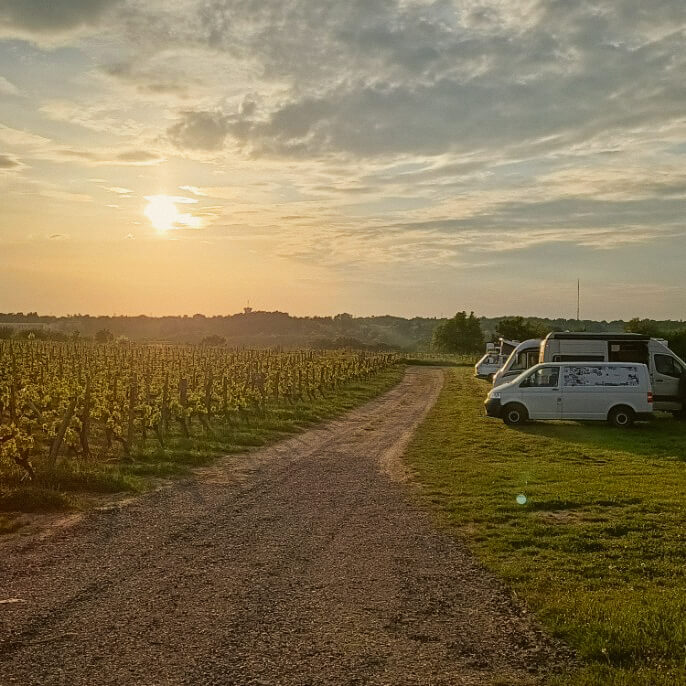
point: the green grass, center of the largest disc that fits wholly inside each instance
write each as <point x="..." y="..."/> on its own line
<point x="441" y="360"/>
<point x="74" y="482"/>
<point x="598" y="547"/>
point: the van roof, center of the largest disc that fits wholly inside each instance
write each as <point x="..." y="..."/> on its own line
<point x="571" y="335"/>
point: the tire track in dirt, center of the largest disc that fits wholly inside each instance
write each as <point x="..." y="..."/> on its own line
<point x="301" y="563"/>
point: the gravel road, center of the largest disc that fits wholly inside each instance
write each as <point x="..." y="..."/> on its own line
<point x="304" y="563"/>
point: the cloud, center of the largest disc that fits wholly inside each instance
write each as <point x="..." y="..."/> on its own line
<point x="7" y="87"/>
<point x="9" y="163"/>
<point x="54" y="16"/>
<point x="193" y="189"/>
<point x="139" y="157"/>
<point x="200" y="131"/>
<point x="391" y="78"/>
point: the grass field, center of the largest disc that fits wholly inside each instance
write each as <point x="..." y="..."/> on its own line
<point x="74" y="483"/>
<point x="586" y="523"/>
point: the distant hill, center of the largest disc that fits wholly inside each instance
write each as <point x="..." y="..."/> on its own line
<point x="262" y="329"/>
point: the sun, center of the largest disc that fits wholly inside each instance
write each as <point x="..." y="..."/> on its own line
<point x="162" y="212"/>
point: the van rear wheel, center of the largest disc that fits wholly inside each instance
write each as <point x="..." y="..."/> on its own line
<point x="621" y="416"/>
<point x="514" y="414"/>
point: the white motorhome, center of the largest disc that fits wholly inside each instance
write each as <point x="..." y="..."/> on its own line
<point x="524" y="356"/>
<point x="667" y="371"/>
<point x="618" y="392"/>
<point x="495" y="357"/>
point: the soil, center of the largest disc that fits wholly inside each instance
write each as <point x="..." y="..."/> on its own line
<point x="305" y="563"/>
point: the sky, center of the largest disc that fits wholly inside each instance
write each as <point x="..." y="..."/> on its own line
<point x="407" y="157"/>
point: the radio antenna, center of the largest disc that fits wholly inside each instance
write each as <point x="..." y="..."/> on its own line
<point x="578" y="293"/>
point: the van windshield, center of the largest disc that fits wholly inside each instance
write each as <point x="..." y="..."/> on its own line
<point x="525" y="359"/>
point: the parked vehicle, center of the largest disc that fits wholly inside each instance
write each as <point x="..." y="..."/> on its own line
<point x="667" y="371"/>
<point x="493" y="360"/>
<point x="617" y="392"/>
<point x="524" y="356"/>
<point x="488" y="365"/>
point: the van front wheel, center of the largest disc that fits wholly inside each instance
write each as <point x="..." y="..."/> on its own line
<point x="514" y="414"/>
<point x="621" y="416"/>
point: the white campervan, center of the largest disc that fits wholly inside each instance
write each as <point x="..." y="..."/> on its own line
<point x="618" y="392"/>
<point x="665" y="368"/>
<point x="488" y="365"/>
<point x="524" y="356"/>
<point x="494" y="359"/>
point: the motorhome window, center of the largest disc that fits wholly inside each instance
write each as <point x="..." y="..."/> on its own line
<point x="578" y="358"/>
<point x="628" y="351"/>
<point x="520" y="361"/>
<point x="546" y="377"/>
<point x="667" y="365"/>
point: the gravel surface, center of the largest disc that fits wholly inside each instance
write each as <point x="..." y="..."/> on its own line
<point x="305" y="563"/>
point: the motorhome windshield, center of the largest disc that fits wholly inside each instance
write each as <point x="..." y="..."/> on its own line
<point x="525" y="359"/>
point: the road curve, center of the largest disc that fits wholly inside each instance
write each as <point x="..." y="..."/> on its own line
<point x="305" y="563"/>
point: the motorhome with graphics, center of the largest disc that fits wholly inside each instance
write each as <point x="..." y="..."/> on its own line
<point x="667" y="371"/>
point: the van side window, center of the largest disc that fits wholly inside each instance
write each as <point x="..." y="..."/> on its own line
<point x="667" y="365"/>
<point x="546" y="377"/>
<point x="578" y="358"/>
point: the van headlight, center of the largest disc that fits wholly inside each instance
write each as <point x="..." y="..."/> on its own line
<point x="494" y="395"/>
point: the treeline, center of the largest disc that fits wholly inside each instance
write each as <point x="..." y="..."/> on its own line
<point x="245" y="329"/>
<point x="466" y="334"/>
<point x="463" y="333"/>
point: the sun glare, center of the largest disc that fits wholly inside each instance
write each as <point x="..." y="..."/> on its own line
<point x="163" y="214"/>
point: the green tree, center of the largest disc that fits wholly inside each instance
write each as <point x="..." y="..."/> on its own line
<point x="520" y="329"/>
<point x="213" y="340"/>
<point x="647" y="327"/>
<point x="462" y="334"/>
<point x="104" y="336"/>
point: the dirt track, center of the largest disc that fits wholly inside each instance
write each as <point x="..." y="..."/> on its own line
<point x="301" y="564"/>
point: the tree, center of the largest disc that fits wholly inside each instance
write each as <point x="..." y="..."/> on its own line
<point x="647" y="327"/>
<point x="213" y="340"/>
<point x="104" y="336"/>
<point x="520" y="329"/>
<point x="462" y="334"/>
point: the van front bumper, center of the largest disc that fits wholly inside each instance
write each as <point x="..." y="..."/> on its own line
<point x="493" y="407"/>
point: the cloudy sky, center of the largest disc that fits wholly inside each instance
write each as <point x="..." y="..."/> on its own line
<point x="411" y="157"/>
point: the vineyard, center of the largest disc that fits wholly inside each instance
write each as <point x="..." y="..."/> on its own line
<point x="85" y="403"/>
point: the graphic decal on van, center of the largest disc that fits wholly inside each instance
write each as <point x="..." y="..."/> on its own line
<point x="601" y="376"/>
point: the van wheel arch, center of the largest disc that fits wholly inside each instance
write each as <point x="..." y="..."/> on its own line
<point x="514" y="414"/>
<point x="621" y="416"/>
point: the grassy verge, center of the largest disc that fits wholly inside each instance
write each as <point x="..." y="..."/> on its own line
<point x="74" y="483"/>
<point x="585" y="522"/>
<point x="441" y="360"/>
